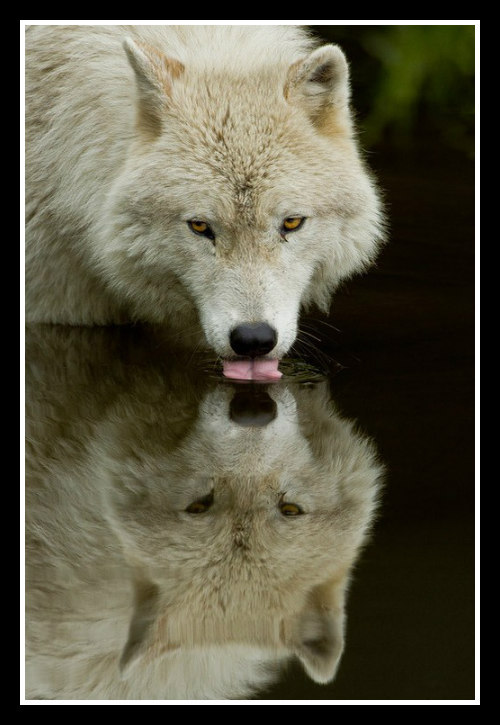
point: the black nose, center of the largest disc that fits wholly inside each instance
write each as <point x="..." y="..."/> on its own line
<point x="253" y="339"/>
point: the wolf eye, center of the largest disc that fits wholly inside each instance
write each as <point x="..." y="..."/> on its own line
<point x="201" y="504"/>
<point x="290" y="509"/>
<point x="292" y="223"/>
<point x="202" y="228"/>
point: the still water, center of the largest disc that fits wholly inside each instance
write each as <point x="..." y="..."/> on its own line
<point x="186" y="536"/>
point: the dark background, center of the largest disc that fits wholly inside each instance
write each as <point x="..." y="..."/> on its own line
<point x="405" y="340"/>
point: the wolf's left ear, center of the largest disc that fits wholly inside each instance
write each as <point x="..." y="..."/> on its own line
<point x="155" y="74"/>
<point x="316" y="635"/>
<point x="320" y="84"/>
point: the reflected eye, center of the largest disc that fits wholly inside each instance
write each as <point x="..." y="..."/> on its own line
<point x="202" y="228"/>
<point x="290" y="509"/>
<point x="292" y="223"/>
<point x="201" y="504"/>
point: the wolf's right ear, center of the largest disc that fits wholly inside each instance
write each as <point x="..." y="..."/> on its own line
<point x="320" y="85"/>
<point x="155" y="74"/>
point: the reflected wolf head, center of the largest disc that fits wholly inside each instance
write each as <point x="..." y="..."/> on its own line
<point x="242" y="534"/>
<point x="236" y="513"/>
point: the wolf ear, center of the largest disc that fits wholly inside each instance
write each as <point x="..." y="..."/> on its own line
<point x="320" y="84"/>
<point x="155" y="74"/>
<point x="143" y="619"/>
<point x="317" y="633"/>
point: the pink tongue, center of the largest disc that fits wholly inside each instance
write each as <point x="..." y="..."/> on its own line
<point x="252" y="369"/>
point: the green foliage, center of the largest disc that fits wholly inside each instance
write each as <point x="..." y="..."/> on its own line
<point x="425" y="70"/>
<point x="411" y="81"/>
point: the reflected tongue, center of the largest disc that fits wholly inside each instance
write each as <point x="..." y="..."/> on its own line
<point x="258" y="369"/>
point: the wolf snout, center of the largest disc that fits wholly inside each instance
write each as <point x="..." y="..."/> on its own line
<point x="253" y="339"/>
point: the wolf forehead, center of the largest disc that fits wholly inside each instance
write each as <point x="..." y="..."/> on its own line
<point x="244" y="137"/>
<point x="236" y="182"/>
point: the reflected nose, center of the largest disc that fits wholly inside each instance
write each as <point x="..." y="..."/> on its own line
<point x="253" y="339"/>
<point x="252" y="408"/>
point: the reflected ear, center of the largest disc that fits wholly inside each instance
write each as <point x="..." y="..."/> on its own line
<point x="320" y="645"/>
<point x="320" y="85"/>
<point x="155" y="74"/>
<point x="144" y="617"/>
<point x="317" y="633"/>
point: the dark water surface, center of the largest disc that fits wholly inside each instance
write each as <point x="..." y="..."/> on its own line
<point x="193" y="538"/>
<point x="410" y="323"/>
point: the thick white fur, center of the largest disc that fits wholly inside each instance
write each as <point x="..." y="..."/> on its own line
<point x="128" y="596"/>
<point x="132" y="131"/>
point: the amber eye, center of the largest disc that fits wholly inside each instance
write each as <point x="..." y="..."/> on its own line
<point x="201" y="504"/>
<point x="199" y="227"/>
<point x="290" y="509"/>
<point x="292" y="223"/>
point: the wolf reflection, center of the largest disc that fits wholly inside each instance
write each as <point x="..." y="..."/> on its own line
<point x="186" y="537"/>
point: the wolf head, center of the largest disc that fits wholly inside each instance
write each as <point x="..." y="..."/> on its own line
<point x="243" y="198"/>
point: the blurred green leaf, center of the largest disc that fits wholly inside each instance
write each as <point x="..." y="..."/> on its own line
<point x="411" y="81"/>
<point x="425" y="71"/>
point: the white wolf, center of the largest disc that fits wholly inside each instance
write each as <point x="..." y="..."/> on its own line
<point x="166" y="538"/>
<point x="204" y="177"/>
